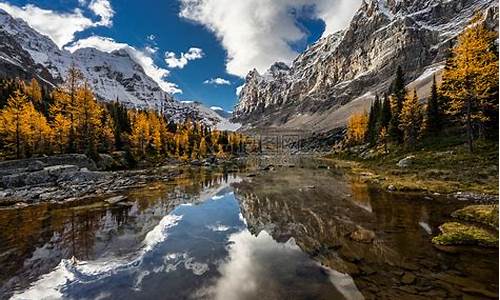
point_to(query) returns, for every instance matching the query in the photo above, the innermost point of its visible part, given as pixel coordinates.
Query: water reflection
(321, 210)
(282, 234)
(185, 239)
(35, 239)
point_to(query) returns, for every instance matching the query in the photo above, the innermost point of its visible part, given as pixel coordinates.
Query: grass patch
(483, 214)
(454, 233)
(442, 164)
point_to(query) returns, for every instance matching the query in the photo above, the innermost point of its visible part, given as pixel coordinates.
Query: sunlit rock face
(352, 65)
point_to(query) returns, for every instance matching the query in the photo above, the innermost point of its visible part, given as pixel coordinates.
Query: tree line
(35, 121)
(466, 98)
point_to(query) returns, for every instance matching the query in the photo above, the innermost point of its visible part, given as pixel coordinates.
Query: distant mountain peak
(115, 75)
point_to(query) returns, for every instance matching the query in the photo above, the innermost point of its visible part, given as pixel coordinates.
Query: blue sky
(233, 39)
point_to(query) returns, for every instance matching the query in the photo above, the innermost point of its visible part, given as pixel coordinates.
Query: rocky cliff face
(342, 72)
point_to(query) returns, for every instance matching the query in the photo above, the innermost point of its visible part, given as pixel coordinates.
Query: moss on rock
(454, 233)
(484, 214)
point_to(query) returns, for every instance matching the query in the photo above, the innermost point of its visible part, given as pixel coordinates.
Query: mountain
(342, 72)
(221, 112)
(25, 53)
(112, 75)
(213, 116)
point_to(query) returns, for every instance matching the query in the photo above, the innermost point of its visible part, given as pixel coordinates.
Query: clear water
(283, 234)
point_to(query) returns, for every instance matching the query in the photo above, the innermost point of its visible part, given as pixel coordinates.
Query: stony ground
(68, 177)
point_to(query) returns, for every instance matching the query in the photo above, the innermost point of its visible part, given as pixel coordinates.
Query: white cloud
(143, 58)
(103, 9)
(151, 49)
(217, 81)
(257, 33)
(216, 108)
(61, 27)
(151, 37)
(180, 62)
(238, 89)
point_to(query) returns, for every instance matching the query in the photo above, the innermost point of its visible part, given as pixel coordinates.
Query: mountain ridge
(114, 76)
(342, 72)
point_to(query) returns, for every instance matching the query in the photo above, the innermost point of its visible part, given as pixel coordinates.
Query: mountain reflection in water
(284, 234)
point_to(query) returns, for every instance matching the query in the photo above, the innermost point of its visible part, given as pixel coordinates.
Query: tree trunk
(18, 140)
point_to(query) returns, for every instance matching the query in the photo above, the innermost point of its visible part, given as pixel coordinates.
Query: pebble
(408, 278)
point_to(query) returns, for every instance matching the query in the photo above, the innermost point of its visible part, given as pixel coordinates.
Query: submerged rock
(362, 235)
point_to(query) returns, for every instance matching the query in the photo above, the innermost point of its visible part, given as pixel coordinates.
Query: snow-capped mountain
(221, 112)
(26, 53)
(214, 116)
(342, 72)
(112, 75)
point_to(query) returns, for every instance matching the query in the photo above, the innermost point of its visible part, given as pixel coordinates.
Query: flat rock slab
(116, 199)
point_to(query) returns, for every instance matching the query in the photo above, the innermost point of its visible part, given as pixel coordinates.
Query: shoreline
(410, 182)
(70, 183)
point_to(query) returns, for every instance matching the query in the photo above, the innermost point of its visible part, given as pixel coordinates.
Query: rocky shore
(68, 177)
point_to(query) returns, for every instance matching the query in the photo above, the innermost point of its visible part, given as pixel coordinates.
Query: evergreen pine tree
(385, 114)
(373, 122)
(433, 115)
(398, 95)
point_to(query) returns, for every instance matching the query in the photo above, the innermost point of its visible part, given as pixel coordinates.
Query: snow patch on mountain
(114, 72)
(361, 59)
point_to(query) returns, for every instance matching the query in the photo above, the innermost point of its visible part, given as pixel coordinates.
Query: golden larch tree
(140, 135)
(411, 120)
(61, 130)
(14, 124)
(356, 128)
(471, 80)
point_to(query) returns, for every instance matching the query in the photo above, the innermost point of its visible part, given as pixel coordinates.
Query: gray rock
(58, 170)
(406, 162)
(116, 199)
(106, 162)
(362, 235)
(35, 166)
(38, 177)
(15, 180)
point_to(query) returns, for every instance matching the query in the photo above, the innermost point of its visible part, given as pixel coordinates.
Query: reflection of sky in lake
(198, 251)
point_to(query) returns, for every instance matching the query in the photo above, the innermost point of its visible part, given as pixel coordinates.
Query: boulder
(38, 177)
(58, 170)
(106, 162)
(406, 162)
(35, 166)
(14, 180)
(362, 235)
